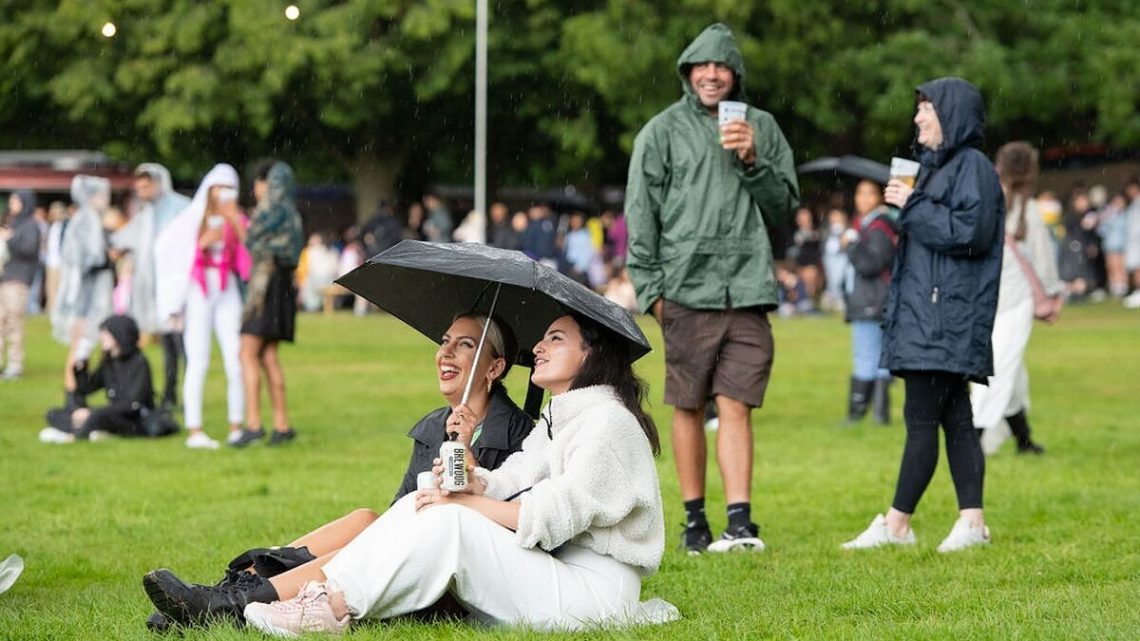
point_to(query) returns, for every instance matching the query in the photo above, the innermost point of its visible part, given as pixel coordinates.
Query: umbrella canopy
(850, 166)
(427, 284)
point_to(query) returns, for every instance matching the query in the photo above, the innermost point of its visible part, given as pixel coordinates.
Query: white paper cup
(425, 481)
(904, 170)
(729, 110)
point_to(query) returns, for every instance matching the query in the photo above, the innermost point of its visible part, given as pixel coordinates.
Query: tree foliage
(381, 90)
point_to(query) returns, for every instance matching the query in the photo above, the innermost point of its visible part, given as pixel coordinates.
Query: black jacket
(126, 377)
(504, 429)
(24, 245)
(871, 258)
(944, 286)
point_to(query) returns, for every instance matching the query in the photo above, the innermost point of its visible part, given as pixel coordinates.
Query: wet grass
(90, 519)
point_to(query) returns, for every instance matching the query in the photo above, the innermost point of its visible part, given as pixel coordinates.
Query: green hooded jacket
(698, 218)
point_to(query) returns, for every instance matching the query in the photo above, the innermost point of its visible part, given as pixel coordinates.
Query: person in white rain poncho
(83, 301)
(201, 258)
(159, 205)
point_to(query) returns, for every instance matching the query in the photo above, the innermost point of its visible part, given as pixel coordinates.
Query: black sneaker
(189, 604)
(738, 537)
(1030, 448)
(248, 436)
(280, 437)
(696, 538)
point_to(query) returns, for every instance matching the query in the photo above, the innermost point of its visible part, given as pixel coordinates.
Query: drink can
(453, 455)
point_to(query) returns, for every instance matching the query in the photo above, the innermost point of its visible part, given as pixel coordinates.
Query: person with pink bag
(199, 284)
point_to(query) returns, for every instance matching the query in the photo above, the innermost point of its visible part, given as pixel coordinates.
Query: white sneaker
(309, 611)
(712, 424)
(963, 535)
(201, 441)
(877, 535)
(233, 437)
(1132, 301)
(100, 435)
(57, 436)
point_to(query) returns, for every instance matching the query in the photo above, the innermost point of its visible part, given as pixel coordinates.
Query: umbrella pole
(479, 349)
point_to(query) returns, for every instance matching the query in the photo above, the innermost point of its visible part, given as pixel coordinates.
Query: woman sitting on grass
(559, 537)
(490, 425)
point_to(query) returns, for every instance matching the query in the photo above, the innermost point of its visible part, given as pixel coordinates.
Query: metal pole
(481, 106)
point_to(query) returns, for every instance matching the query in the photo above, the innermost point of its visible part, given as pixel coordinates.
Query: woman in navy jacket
(941, 308)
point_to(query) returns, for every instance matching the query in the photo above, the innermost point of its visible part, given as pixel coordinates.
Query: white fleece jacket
(594, 483)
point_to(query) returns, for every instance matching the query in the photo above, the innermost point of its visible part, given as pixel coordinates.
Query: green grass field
(90, 519)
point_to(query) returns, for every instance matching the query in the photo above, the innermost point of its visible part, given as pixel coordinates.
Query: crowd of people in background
(1096, 231)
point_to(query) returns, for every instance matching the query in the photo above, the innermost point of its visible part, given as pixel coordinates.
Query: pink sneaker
(309, 611)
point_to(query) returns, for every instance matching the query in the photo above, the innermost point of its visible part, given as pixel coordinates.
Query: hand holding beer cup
(735, 132)
(904, 173)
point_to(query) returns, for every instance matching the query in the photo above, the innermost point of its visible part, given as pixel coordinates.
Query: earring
(489, 384)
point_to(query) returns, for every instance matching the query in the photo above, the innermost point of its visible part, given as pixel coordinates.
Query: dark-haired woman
(559, 537)
(1030, 288)
(274, 240)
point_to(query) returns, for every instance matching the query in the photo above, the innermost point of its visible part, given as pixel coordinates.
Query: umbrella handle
(479, 349)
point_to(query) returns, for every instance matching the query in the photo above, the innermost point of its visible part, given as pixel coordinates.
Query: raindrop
(109, 30)
(292, 12)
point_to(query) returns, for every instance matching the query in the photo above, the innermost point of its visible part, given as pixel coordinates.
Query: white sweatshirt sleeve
(521, 470)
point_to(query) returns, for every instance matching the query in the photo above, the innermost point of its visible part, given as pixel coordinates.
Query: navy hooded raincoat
(944, 289)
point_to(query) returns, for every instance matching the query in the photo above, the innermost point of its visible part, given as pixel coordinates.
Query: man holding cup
(707, 177)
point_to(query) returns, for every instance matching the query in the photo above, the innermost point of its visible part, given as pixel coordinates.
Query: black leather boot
(881, 401)
(192, 604)
(857, 399)
(1019, 426)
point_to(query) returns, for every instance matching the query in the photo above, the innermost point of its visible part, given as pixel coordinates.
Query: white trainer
(878, 535)
(100, 435)
(233, 437)
(963, 535)
(201, 441)
(57, 436)
(309, 611)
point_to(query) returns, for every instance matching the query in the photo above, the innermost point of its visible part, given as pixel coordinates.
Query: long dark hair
(609, 363)
(1017, 166)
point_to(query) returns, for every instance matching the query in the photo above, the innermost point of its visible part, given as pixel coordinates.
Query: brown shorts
(710, 352)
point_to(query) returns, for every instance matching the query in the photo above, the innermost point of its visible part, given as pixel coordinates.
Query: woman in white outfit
(559, 537)
(199, 281)
(1029, 288)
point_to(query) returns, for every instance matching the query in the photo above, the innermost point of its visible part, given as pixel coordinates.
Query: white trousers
(218, 312)
(405, 561)
(1008, 389)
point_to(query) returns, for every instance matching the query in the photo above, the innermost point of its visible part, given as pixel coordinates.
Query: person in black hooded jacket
(22, 239)
(941, 307)
(125, 375)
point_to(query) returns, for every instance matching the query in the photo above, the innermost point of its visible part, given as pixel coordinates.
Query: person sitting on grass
(125, 373)
(559, 537)
(490, 424)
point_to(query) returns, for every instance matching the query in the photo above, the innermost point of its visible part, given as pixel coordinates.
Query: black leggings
(933, 399)
(117, 421)
(172, 351)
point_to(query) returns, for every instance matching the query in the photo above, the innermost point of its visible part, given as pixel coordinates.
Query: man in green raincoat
(699, 202)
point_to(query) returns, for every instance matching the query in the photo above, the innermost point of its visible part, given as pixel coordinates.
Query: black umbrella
(427, 284)
(850, 166)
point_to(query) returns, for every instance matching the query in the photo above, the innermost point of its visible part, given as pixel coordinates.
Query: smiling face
(929, 127)
(559, 356)
(455, 359)
(711, 82)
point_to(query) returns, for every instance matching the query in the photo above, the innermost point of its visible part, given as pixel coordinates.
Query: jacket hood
(27, 200)
(125, 332)
(961, 113)
(715, 44)
(159, 174)
(86, 188)
(281, 183)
